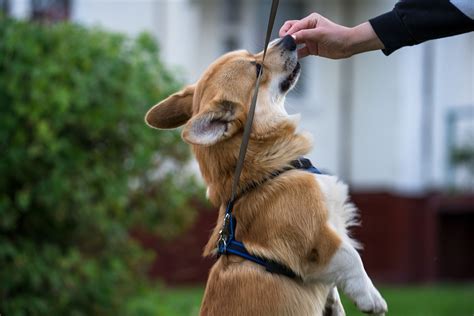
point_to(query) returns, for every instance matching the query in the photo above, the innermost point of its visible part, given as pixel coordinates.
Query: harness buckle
(224, 234)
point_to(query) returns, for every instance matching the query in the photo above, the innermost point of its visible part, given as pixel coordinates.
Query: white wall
(320, 102)
(387, 109)
(20, 8)
(130, 17)
(175, 24)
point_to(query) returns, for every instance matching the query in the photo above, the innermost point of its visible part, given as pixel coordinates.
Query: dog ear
(172, 112)
(214, 125)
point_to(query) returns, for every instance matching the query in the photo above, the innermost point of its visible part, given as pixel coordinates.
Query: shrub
(79, 168)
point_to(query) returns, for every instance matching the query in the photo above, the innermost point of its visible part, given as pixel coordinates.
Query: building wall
(386, 107)
(377, 121)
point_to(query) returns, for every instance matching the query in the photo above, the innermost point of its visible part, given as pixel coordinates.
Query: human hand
(322, 37)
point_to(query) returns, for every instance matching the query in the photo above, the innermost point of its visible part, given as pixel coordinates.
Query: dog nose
(288, 42)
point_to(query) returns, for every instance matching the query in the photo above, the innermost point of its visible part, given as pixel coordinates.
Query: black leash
(226, 234)
(227, 244)
(250, 115)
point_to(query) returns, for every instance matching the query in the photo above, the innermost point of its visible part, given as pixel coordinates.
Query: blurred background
(100, 215)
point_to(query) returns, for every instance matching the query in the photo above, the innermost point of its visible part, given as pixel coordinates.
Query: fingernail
(294, 37)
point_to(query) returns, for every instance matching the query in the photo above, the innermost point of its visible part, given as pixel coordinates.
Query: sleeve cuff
(391, 31)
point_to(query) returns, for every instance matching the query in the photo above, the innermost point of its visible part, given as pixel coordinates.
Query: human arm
(322, 37)
(412, 22)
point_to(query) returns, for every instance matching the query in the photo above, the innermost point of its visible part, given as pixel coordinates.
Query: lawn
(438, 300)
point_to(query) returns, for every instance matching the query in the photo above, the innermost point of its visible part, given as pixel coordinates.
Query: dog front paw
(333, 305)
(334, 310)
(372, 303)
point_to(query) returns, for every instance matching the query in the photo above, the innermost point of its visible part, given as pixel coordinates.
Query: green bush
(79, 168)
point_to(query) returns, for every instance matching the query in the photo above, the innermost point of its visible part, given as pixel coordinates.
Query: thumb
(312, 35)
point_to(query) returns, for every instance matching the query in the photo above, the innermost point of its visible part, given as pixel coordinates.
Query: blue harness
(228, 245)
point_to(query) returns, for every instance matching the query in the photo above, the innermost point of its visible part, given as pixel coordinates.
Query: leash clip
(224, 234)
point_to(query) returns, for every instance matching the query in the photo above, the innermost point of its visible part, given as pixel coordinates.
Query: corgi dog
(295, 218)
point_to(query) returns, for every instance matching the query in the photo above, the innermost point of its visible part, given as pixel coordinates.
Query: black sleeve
(414, 21)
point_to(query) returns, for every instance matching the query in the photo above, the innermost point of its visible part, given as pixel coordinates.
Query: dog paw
(372, 303)
(334, 310)
(333, 305)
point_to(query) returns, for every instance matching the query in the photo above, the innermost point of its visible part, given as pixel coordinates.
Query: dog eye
(257, 68)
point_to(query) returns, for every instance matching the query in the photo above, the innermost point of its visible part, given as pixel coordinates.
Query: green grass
(438, 300)
(162, 301)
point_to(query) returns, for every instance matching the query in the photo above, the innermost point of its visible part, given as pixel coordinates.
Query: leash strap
(226, 234)
(250, 115)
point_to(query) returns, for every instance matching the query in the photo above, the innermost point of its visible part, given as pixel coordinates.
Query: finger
(305, 23)
(311, 35)
(286, 26)
(296, 27)
(303, 52)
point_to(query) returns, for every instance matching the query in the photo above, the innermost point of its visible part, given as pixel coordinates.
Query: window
(460, 146)
(233, 11)
(50, 10)
(231, 21)
(4, 7)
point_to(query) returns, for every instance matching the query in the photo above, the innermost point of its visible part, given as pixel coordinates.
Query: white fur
(342, 213)
(333, 303)
(347, 272)
(345, 268)
(270, 110)
(202, 130)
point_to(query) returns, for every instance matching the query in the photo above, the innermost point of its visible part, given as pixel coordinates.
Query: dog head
(215, 108)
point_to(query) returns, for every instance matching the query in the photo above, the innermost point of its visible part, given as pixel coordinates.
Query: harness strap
(227, 243)
(300, 163)
(237, 248)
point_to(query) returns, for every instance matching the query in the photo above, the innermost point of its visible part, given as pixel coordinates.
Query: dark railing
(425, 238)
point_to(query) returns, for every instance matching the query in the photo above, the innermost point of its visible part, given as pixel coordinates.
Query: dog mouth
(289, 81)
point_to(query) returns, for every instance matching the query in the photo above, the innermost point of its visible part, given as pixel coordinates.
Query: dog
(295, 218)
